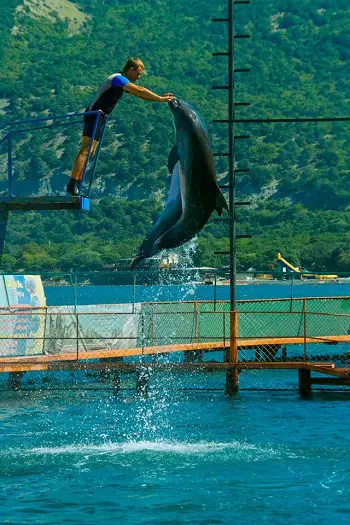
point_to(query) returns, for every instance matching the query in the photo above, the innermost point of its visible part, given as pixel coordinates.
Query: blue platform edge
(85, 203)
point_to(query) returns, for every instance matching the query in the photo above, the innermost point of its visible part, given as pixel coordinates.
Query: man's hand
(146, 94)
(168, 97)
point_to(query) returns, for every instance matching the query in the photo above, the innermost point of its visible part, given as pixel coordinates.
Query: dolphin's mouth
(174, 104)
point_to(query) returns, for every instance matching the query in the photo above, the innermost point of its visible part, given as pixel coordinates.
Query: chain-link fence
(276, 330)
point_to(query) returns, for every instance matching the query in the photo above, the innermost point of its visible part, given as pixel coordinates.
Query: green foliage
(299, 178)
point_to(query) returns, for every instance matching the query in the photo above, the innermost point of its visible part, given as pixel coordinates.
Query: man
(106, 98)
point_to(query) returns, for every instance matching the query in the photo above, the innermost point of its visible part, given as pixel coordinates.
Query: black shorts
(89, 123)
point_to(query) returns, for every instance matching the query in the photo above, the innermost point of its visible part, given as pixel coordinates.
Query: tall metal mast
(231, 160)
(231, 143)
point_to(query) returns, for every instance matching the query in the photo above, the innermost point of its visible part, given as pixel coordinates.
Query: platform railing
(50, 122)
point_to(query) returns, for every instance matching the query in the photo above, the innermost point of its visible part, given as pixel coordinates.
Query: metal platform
(46, 203)
(9, 201)
(12, 203)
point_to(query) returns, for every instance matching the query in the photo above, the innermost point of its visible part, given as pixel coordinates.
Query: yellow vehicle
(287, 270)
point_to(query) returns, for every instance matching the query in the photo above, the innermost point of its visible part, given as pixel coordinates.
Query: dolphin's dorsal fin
(220, 202)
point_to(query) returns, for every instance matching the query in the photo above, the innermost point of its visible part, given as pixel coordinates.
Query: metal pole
(153, 327)
(232, 355)
(97, 121)
(305, 329)
(50, 117)
(196, 322)
(285, 120)
(9, 164)
(75, 284)
(77, 335)
(215, 282)
(143, 337)
(231, 159)
(97, 152)
(291, 294)
(6, 292)
(224, 333)
(133, 294)
(231, 386)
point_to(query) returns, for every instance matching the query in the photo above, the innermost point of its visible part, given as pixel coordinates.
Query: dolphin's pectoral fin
(220, 202)
(173, 158)
(136, 260)
(142, 253)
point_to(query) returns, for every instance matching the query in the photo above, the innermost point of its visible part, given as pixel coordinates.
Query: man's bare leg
(79, 163)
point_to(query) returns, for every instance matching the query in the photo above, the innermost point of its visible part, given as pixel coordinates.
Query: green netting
(204, 321)
(109, 327)
(256, 325)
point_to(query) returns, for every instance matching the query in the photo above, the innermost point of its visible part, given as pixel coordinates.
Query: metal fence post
(133, 294)
(9, 164)
(196, 322)
(142, 374)
(215, 282)
(77, 334)
(45, 329)
(75, 289)
(143, 337)
(305, 349)
(232, 356)
(224, 330)
(153, 327)
(291, 294)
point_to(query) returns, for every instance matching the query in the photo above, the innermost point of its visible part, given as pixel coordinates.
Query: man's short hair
(134, 62)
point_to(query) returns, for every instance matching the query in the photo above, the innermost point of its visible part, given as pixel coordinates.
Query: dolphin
(199, 192)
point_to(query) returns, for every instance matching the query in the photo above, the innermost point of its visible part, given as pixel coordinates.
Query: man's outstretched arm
(146, 94)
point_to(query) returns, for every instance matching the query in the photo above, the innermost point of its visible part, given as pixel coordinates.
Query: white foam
(162, 447)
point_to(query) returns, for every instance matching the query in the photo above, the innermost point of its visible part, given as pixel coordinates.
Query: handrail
(8, 136)
(49, 117)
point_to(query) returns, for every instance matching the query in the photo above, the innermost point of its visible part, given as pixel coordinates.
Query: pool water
(85, 456)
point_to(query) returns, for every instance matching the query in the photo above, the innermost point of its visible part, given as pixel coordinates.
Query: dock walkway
(267, 334)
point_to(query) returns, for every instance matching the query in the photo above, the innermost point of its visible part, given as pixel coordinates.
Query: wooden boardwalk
(42, 362)
(333, 376)
(110, 360)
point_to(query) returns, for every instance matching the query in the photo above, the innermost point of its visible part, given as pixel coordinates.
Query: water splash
(200, 449)
(183, 274)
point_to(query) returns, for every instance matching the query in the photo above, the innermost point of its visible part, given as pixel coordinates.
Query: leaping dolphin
(200, 194)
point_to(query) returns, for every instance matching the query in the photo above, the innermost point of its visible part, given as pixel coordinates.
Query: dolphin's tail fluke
(220, 202)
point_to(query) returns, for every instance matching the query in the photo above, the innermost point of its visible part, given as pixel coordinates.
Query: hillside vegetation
(55, 53)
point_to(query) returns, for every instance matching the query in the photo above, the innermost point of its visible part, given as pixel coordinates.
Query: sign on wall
(22, 315)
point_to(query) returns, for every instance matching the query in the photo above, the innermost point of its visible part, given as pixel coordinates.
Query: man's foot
(73, 187)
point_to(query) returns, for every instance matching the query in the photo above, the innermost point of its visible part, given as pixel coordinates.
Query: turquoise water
(178, 457)
(63, 295)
